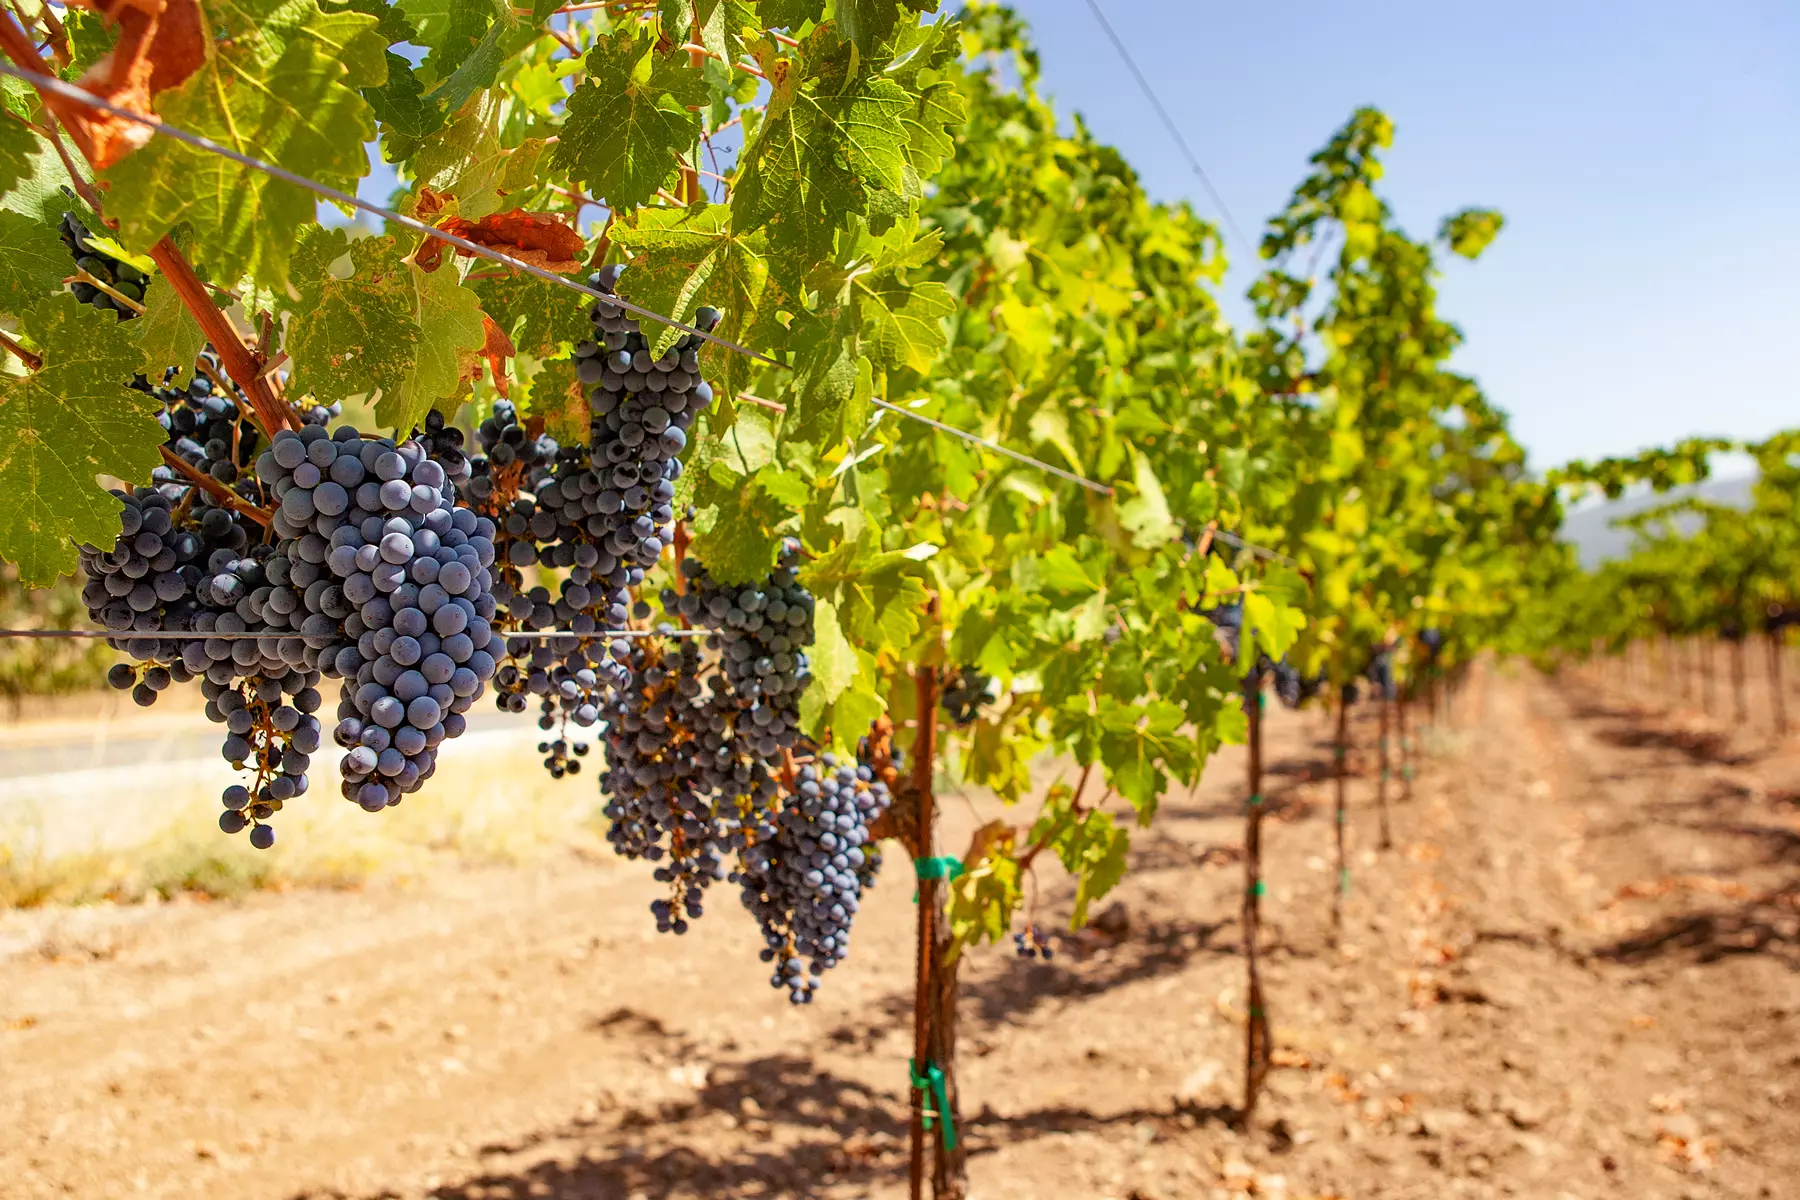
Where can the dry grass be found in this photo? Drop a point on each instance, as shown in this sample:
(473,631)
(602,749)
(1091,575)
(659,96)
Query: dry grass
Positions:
(489,803)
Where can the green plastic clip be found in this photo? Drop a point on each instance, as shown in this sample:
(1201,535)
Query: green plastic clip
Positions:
(944,866)
(932,1084)
(1255,799)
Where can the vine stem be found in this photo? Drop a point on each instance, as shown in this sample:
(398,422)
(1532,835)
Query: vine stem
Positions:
(238,361)
(32,361)
(215,489)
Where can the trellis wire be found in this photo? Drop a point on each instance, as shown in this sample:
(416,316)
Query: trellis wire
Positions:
(1169,124)
(89,100)
(160,635)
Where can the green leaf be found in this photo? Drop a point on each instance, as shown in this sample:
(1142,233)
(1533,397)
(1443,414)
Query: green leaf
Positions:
(33,262)
(402,108)
(167,334)
(904,323)
(556,395)
(18,147)
(90,39)
(1147,514)
(543,319)
(63,425)
(351,336)
(683,258)
(628,126)
(1140,746)
(1470,231)
(46,191)
(451,336)
(833,660)
(738,544)
(280,85)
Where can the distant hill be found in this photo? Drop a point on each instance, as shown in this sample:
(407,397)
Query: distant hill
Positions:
(1590,528)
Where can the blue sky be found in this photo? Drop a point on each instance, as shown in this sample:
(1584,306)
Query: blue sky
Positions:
(1647,158)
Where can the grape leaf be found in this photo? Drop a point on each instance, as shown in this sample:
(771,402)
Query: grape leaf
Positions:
(33,262)
(465,158)
(283,90)
(17,147)
(628,126)
(684,258)
(832,657)
(903,323)
(556,396)
(167,334)
(403,110)
(451,337)
(1146,515)
(46,192)
(90,39)
(351,336)
(543,320)
(63,425)
(1140,746)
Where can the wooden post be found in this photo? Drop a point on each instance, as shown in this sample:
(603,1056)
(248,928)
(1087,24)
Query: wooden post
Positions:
(1340,752)
(1407,754)
(1777,689)
(1738,690)
(1257,1041)
(924,751)
(1381,786)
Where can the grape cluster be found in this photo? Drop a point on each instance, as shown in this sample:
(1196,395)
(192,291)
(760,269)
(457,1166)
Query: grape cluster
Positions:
(965,693)
(671,780)
(144,585)
(1033,943)
(603,512)
(273,731)
(1380,672)
(760,633)
(391,579)
(206,428)
(123,278)
(807,867)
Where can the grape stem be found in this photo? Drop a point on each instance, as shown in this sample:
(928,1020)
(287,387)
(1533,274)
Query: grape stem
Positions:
(100,285)
(215,489)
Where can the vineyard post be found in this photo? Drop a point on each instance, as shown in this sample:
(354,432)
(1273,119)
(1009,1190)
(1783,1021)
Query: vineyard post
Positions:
(1777,694)
(1406,750)
(1739,697)
(924,749)
(1256,1026)
(1707,668)
(935,1109)
(1381,786)
(1340,750)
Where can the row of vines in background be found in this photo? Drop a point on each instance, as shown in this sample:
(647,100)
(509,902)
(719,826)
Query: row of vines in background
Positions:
(1317,510)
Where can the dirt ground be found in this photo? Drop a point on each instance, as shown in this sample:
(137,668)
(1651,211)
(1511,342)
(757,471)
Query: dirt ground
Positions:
(1577,975)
